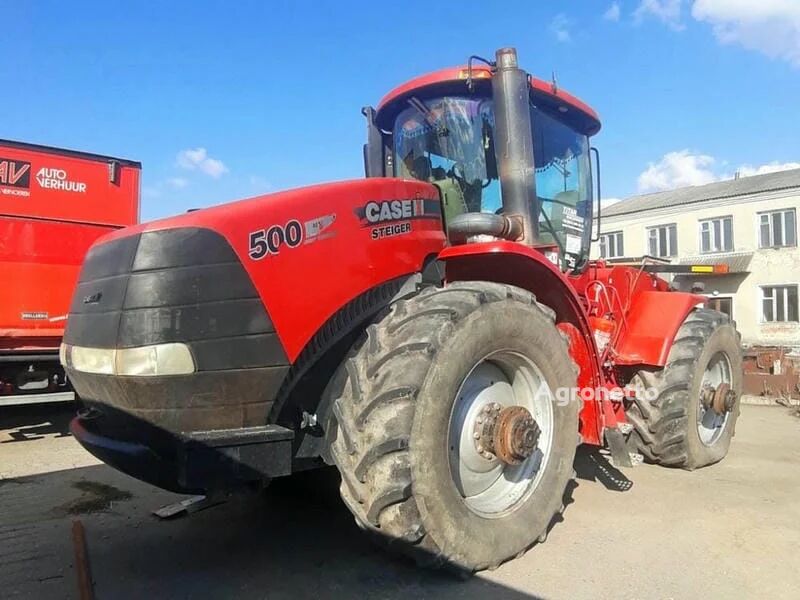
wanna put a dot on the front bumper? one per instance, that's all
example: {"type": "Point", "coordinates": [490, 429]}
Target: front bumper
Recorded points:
{"type": "Point", "coordinates": [132, 458]}
{"type": "Point", "coordinates": [189, 464]}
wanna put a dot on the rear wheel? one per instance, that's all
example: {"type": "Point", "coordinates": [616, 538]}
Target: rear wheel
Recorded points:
{"type": "Point", "coordinates": [685, 414]}
{"type": "Point", "coordinates": [451, 443]}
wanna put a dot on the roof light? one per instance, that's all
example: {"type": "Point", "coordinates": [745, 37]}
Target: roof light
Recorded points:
{"type": "Point", "coordinates": [477, 73]}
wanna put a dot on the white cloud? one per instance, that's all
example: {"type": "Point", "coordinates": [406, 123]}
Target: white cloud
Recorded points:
{"type": "Point", "coordinates": [677, 169]}
{"type": "Point", "coordinates": [560, 26]}
{"type": "Point", "coordinates": [613, 12]}
{"type": "Point", "coordinates": [685, 168]}
{"type": "Point", "coordinates": [177, 183]}
{"type": "Point", "coordinates": [198, 159]}
{"type": "Point", "coordinates": [773, 167]}
{"type": "Point", "coordinates": [605, 202]}
{"type": "Point", "coordinates": [666, 11]}
{"type": "Point", "coordinates": [768, 26]}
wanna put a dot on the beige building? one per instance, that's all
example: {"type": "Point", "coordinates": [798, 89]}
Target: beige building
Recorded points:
{"type": "Point", "coordinates": [748, 224]}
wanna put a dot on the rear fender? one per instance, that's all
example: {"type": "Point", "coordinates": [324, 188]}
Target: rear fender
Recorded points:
{"type": "Point", "coordinates": [651, 324]}
{"type": "Point", "coordinates": [514, 264]}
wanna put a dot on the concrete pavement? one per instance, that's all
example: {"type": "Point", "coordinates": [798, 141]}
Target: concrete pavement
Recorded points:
{"type": "Point", "coordinates": [731, 530]}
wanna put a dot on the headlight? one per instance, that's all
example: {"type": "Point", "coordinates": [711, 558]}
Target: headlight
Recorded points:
{"type": "Point", "coordinates": [145, 361]}
{"type": "Point", "coordinates": [92, 360]}
{"type": "Point", "coordinates": [161, 359]}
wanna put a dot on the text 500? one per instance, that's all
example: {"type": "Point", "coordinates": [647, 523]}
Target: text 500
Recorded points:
{"type": "Point", "coordinates": [270, 241]}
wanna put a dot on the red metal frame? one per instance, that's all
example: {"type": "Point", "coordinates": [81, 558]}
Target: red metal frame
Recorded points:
{"type": "Point", "coordinates": [647, 313]}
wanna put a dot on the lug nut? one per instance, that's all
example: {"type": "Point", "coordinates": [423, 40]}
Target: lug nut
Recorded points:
{"type": "Point", "coordinates": [476, 435]}
{"type": "Point", "coordinates": [480, 449]}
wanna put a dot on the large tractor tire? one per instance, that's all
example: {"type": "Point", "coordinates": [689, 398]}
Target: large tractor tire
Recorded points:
{"type": "Point", "coordinates": [685, 414]}
{"type": "Point", "coordinates": [433, 458]}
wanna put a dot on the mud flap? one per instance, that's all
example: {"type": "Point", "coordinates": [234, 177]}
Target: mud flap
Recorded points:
{"type": "Point", "coordinates": [620, 455]}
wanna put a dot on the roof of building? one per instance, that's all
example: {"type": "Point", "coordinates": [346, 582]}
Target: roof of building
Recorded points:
{"type": "Point", "coordinates": [743, 186]}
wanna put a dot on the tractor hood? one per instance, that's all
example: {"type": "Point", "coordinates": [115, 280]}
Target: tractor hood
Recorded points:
{"type": "Point", "coordinates": [309, 251]}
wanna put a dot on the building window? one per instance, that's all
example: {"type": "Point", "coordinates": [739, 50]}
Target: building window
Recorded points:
{"type": "Point", "coordinates": [777, 228]}
{"type": "Point", "coordinates": [611, 245]}
{"type": "Point", "coordinates": [778, 303]}
{"type": "Point", "coordinates": [723, 304]}
{"type": "Point", "coordinates": [662, 240]}
{"type": "Point", "coordinates": [716, 235]}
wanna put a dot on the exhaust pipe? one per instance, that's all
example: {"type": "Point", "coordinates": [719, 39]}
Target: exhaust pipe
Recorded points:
{"type": "Point", "coordinates": [514, 144]}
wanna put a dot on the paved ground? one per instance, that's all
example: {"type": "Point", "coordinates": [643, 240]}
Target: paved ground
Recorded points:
{"type": "Point", "coordinates": [732, 530]}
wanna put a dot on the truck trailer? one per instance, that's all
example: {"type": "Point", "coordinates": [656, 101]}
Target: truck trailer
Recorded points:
{"type": "Point", "coordinates": [54, 204]}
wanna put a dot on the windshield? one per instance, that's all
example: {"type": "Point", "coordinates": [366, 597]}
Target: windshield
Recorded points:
{"type": "Point", "coordinates": [450, 141]}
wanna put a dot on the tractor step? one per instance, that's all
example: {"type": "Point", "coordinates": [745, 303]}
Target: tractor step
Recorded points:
{"type": "Point", "coordinates": [188, 506]}
{"type": "Point", "coordinates": [620, 455]}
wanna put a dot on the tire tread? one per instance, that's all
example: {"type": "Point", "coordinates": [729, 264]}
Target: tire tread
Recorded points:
{"type": "Point", "coordinates": [375, 414]}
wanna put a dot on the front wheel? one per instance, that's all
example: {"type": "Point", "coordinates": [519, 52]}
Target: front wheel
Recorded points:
{"type": "Point", "coordinates": [452, 441]}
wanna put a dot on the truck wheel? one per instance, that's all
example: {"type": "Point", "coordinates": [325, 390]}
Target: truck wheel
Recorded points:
{"type": "Point", "coordinates": [451, 442]}
{"type": "Point", "coordinates": [684, 415]}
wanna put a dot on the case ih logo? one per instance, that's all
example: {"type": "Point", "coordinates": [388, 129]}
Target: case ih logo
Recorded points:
{"type": "Point", "coordinates": [393, 210]}
{"type": "Point", "coordinates": [56, 179]}
{"type": "Point", "coordinates": [387, 211]}
{"type": "Point", "coordinates": [15, 173]}
{"type": "Point", "coordinates": [389, 218]}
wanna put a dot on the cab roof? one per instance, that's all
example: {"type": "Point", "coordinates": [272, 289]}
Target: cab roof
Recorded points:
{"type": "Point", "coordinates": [454, 81]}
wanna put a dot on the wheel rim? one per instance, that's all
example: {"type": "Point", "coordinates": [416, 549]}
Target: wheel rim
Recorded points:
{"type": "Point", "coordinates": [710, 423]}
{"type": "Point", "coordinates": [489, 486]}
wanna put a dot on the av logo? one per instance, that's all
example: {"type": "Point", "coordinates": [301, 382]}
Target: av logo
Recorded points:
{"type": "Point", "coordinates": [15, 173]}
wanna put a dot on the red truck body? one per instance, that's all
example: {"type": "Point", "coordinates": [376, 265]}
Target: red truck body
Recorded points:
{"type": "Point", "coordinates": [54, 204]}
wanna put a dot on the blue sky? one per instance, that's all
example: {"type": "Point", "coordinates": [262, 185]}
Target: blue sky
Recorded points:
{"type": "Point", "coordinates": [226, 100]}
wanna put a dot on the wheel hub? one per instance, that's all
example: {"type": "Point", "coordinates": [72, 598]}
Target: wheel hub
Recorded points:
{"type": "Point", "coordinates": [720, 399]}
{"type": "Point", "coordinates": [511, 434]}
{"type": "Point", "coordinates": [500, 433]}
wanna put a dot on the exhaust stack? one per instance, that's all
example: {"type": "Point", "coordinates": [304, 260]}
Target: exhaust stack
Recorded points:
{"type": "Point", "coordinates": [514, 143]}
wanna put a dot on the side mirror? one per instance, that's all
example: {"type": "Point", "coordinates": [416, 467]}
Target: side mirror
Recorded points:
{"type": "Point", "coordinates": [373, 149]}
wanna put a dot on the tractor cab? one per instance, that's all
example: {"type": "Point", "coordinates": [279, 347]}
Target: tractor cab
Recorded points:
{"type": "Point", "coordinates": [442, 129]}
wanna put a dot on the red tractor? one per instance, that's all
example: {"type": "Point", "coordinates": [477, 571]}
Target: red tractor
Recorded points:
{"type": "Point", "coordinates": [435, 330]}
